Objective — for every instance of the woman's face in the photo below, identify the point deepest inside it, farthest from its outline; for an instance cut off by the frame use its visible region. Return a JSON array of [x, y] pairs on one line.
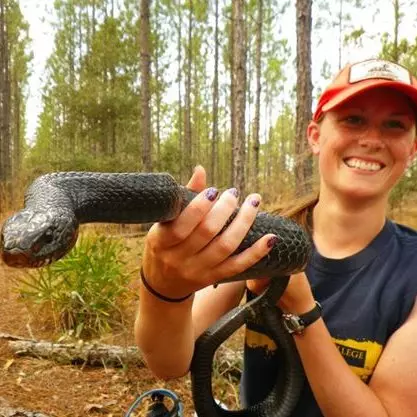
[[365, 144]]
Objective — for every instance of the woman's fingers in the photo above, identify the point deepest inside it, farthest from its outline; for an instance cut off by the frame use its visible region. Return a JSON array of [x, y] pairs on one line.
[[166, 235], [211, 224], [239, 263], [191, 249], [225, 244], [170, 233]]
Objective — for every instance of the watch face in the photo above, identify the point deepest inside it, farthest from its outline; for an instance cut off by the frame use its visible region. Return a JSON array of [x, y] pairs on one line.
[[296, 324], [293, 323]]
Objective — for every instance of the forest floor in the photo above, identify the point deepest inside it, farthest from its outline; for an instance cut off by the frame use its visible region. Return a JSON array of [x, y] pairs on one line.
[[41, 385], [47, 387]]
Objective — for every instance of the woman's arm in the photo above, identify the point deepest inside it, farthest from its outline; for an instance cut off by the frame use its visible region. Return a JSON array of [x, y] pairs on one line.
[[395, 377], [166, 332], [338, 391], [184, 256]]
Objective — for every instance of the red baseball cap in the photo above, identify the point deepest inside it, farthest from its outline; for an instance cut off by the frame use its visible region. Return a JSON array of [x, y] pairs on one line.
[[361, 76]]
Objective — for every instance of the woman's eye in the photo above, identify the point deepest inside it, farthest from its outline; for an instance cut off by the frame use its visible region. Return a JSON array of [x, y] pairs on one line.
[[395, 124], [354, 120]]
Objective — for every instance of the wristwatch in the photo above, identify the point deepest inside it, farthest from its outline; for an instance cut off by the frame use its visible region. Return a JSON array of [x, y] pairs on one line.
[[296, 324]]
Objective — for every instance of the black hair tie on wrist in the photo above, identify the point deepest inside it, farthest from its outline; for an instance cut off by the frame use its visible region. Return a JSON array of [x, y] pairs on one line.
[[160, 296]]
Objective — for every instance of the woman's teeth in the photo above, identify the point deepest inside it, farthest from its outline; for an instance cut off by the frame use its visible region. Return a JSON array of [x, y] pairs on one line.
[[359, 164]]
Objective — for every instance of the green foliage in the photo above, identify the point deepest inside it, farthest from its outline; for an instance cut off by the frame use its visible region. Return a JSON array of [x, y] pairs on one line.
[[404, 188], [90, 117], [83, 291], [404, 52], [15, 58]]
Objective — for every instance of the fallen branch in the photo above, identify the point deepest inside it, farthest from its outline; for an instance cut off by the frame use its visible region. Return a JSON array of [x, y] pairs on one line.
[[227, 361], [6, 411], [8, 336], [78, 353]]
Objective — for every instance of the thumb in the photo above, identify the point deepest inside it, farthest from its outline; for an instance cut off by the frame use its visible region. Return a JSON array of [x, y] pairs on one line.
[[198, 180]]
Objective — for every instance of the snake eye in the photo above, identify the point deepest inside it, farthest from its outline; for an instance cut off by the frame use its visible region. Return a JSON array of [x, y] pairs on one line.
[[48, 236]]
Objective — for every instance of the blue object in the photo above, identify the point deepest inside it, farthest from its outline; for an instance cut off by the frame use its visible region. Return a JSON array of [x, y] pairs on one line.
[[157, 408]]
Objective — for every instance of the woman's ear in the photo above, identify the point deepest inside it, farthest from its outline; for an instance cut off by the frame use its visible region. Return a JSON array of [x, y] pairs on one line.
[[313, 137]]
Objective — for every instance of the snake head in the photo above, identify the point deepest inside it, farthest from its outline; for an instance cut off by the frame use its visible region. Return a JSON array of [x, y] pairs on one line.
[[31, 239]]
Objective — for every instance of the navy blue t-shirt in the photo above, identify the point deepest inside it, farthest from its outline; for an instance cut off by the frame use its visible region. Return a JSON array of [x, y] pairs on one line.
[[365, 298]]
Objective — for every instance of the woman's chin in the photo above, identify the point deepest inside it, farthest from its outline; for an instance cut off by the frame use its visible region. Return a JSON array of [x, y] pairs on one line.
[[362, 192]]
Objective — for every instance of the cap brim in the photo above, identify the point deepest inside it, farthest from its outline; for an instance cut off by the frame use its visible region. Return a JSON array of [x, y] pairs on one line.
[[354, 90]]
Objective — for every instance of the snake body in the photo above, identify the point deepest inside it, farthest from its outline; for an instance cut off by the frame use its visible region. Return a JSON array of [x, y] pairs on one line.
[[57, 203]]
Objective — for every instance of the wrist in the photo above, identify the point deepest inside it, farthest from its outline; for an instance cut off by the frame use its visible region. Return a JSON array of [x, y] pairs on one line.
[[300, 306], [297, 323], [156, 293]]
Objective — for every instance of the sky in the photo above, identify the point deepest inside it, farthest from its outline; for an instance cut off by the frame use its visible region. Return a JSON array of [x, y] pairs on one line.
[[38, 17]]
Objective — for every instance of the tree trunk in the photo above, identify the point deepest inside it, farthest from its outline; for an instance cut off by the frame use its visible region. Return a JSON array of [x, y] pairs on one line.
[[340, 32], [397, 20], [238, 95], [5, 103], [303, 160], [17, 134], [145, 62], [256, 125], [180, 121], [213, 178], [158, 104], [187, 101]]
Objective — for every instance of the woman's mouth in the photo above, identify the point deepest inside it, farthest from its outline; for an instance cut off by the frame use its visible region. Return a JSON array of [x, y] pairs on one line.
[[360, 164]]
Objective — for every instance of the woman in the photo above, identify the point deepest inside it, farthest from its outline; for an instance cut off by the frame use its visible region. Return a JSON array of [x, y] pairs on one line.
[[360, 356]]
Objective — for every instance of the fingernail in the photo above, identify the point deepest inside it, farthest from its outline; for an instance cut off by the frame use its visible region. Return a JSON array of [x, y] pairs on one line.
[[211, 193], [271, 241], [254, 201], [234, 192]]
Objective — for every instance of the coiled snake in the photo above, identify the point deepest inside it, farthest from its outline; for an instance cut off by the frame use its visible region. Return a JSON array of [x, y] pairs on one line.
[[47, 228]]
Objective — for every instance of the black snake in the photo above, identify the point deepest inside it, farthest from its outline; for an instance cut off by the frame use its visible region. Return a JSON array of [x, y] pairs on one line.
[[47, 228]]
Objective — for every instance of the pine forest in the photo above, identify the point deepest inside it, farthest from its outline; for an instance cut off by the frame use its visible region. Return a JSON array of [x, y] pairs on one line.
[[165, 85]]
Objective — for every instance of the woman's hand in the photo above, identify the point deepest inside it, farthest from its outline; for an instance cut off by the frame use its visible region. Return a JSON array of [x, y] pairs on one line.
[[187, 254], [297, 297]]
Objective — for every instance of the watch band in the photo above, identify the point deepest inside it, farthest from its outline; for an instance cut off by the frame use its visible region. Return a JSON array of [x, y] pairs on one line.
[[297, 323]]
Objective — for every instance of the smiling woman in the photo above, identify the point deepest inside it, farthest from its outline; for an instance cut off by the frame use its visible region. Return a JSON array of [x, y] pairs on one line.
[[352, 311], [374, 145]]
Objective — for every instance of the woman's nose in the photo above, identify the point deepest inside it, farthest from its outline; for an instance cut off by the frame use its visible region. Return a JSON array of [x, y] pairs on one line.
[[372, 140]]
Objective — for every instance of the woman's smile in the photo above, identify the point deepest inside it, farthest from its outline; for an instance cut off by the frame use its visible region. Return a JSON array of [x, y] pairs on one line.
[[360, 164]]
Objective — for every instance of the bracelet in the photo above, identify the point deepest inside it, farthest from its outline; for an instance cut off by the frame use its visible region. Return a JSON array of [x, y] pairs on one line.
[[159, 295]]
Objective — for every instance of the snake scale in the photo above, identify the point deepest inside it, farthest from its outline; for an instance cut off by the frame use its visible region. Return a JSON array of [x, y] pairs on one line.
[[47, 228]]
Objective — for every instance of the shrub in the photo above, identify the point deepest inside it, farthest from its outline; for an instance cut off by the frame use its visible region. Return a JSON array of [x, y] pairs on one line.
[[83, 290]]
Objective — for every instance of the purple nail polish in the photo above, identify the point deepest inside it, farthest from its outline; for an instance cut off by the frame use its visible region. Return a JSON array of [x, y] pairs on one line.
[[271, 241], [211, 193], [254, 202], [234, 192]]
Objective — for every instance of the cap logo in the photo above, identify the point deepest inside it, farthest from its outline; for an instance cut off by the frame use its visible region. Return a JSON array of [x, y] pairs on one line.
[[378, 68]]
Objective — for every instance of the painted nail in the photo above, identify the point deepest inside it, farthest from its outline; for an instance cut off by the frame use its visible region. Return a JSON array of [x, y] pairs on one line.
[[254, 202], [271, 241], [211, 193], [234, 192]]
